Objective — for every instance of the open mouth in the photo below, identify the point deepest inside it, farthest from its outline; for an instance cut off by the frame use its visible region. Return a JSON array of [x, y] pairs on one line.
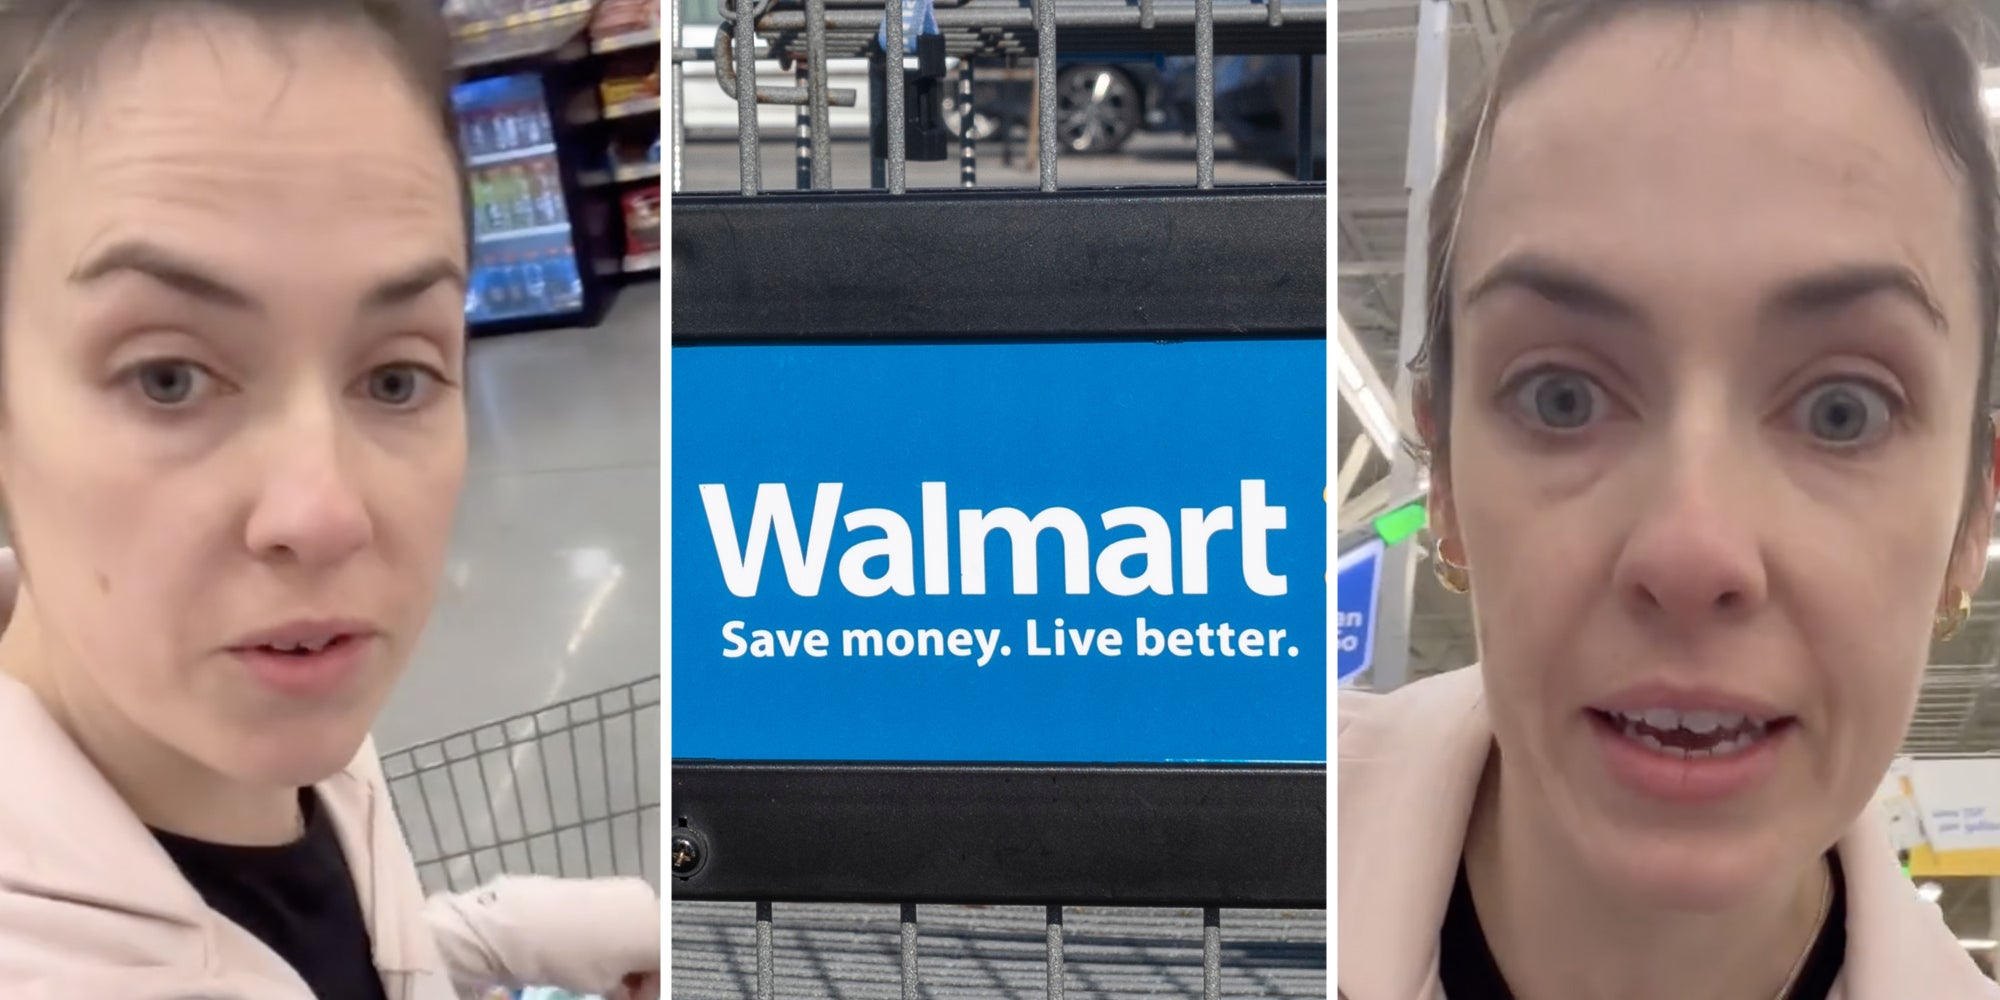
[[1691, 735], [307, 648]]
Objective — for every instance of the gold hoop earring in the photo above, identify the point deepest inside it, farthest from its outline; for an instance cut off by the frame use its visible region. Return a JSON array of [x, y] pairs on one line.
[[1450, 576], [1949, 622]]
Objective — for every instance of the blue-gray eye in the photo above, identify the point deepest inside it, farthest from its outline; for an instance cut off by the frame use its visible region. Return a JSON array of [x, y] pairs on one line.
[[396, 385], [1843, 411], [168, 382], [1558, 400]]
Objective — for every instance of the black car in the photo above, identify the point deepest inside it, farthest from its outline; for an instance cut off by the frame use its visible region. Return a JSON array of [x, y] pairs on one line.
[[1101, 100]]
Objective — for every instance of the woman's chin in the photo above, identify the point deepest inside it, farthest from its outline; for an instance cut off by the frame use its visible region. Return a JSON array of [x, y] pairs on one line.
[[1705, 872]]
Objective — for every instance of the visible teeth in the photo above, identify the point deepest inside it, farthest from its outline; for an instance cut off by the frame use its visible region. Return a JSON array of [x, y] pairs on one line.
[[1650, 741], [1661, 718]]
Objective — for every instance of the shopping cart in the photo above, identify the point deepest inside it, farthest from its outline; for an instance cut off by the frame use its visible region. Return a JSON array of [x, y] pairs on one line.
[[572, 789]]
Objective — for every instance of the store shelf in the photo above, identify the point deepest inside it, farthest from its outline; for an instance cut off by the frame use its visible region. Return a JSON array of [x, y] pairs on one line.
[[628, 109], [637, 262], [622, 175], [510, 155], [628, 40], [559, 229]]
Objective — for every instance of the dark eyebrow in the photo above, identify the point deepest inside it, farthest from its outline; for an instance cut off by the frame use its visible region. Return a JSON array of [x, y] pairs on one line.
[[1842, 287], [167, 268], [191, 279], [1557, 283], [413, 283]]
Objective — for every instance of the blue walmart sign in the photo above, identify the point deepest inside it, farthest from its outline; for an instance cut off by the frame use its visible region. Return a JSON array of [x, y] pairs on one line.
[[1000, 552]]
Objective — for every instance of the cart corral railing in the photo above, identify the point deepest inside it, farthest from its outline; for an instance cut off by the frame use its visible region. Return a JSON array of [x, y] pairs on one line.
[[806, 33]]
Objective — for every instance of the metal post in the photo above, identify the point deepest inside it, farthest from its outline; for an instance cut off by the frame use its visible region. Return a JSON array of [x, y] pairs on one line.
[[968, 154], [909, 951], [679, 145], [765, 972], [893, 81], [1204, 94], [1305, 117], [822, 128], [1391, 668], [1055, 952], [1211, 953], [805, 139], [749, 167], [1045, 89]]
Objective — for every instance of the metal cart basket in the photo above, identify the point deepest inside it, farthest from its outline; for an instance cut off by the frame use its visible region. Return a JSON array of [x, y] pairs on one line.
[[571, 789]]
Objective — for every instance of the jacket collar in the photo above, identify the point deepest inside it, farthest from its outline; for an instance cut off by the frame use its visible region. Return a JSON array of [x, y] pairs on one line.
[[1409, 767], [58, 846], [77, 821]]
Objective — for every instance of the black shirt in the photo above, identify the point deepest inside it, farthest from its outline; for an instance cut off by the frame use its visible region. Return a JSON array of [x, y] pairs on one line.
[[299, 899], [1468, 971]]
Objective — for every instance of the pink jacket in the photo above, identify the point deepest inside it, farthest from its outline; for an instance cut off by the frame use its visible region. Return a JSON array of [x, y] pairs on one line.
[[91, 906], [1409, 764]]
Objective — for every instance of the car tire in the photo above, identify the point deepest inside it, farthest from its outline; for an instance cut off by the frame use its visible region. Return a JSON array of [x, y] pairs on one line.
[[1097, 109]]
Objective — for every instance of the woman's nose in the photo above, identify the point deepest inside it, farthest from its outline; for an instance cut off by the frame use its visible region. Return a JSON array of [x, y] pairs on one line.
[[310, 509], [1692, 556]]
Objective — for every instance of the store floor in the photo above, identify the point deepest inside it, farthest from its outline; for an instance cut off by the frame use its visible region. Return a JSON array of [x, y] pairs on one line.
[[552, 586]]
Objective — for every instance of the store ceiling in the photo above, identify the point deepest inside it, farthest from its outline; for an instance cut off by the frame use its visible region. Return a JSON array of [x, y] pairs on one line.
[[1959, 712]]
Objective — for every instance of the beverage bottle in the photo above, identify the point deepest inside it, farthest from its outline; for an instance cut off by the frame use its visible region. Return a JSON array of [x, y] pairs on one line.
[[499, 218], [496, 289], [474, 127], [562, 272], [535, 284], [524, 198], [517, 286], [549, 195], [503, 130]]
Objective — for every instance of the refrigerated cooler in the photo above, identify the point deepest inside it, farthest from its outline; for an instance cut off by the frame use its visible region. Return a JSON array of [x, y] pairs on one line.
[[528, 266], [538, 124]]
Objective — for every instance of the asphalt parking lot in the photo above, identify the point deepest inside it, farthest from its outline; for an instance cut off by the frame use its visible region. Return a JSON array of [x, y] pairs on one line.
[[1149, 159]]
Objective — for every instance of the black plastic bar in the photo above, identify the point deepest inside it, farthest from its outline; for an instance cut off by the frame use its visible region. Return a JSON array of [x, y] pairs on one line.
[[1129, 835], [1144, 263], [804, 124]]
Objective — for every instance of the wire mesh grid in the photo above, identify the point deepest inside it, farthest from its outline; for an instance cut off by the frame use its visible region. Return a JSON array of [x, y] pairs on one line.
[[873, 951], [570, 789]]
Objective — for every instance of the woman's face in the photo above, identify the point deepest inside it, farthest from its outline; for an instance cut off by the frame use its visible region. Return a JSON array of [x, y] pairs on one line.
[[229, 353], [1710, 418]]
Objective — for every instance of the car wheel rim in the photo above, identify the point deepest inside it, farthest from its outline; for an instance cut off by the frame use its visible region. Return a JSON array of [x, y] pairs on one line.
[[1095, 109]]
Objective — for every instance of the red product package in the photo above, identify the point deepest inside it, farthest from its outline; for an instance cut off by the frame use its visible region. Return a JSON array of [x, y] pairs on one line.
[[642, 220]]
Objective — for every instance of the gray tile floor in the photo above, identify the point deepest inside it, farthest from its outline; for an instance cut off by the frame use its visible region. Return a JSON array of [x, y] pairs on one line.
[[552, 586]]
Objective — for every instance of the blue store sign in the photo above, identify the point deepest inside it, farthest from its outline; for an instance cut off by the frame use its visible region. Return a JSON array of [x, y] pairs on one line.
[[1358, 591], [1019, 552]]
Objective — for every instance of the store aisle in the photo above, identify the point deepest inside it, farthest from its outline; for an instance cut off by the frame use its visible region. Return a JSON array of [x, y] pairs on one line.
[[552, 587]]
